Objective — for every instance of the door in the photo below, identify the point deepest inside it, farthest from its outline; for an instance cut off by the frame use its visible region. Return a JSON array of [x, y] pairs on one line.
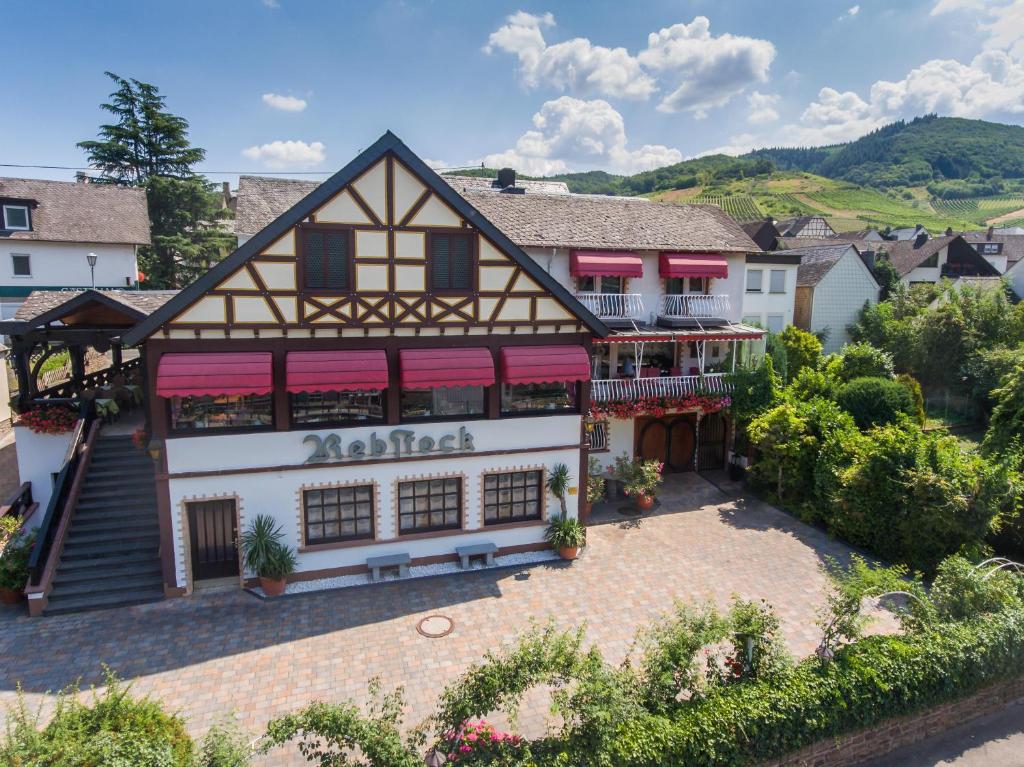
[[712, 442], [213, 529], [669, 440]]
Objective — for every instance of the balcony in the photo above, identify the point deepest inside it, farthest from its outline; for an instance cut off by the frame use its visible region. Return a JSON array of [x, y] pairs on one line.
[[614, 389], [689, 310], [613, 308]]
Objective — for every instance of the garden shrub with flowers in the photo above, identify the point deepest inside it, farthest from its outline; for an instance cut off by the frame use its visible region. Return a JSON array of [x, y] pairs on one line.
[[49, 419], [480, 741], [638, 477], [659, 406]]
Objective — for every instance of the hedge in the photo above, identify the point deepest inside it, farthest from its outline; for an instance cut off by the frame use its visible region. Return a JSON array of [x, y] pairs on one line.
[[877, 678]]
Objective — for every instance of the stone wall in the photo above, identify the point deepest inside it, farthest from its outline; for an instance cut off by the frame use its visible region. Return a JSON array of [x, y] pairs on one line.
[[877, 741]]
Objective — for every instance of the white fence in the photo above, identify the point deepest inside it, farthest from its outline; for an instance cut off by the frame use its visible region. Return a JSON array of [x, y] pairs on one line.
[[611, 389]]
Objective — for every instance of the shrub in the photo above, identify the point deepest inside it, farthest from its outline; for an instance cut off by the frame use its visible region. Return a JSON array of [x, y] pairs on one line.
[[861, 360], [910, 383], [803, 349], [875, 401], [14, 559], [782, 439], [1007, 424], [225, 745]]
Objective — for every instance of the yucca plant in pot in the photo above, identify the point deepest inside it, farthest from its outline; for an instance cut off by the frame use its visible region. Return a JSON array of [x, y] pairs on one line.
[[263, 553], [566, 536]]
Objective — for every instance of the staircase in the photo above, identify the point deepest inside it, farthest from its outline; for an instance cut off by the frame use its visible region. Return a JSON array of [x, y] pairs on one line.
[[111, 553]]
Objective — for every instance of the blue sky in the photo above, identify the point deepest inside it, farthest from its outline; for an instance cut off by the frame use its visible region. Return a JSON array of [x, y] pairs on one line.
[[302, 85]]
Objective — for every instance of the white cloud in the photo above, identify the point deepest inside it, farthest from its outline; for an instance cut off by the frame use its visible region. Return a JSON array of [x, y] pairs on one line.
[[570, 133], [287, 155], [948, 6], [284, 103], [576, 65], [710, 70], [271, 3], [1001, 21], [853, 10], [762, 107]]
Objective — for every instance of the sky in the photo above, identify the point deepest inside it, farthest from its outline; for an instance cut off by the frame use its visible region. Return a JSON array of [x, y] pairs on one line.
[[299, 87]]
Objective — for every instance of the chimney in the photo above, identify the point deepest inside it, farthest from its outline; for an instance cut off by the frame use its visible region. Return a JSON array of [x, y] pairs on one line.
[[506, 178], [949, 231], [988, 234], [921, 239], [81, 177]]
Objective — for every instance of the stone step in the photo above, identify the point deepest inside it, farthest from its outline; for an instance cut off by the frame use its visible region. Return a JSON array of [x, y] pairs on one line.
[[111, 585], [74, 604], [105, 572], [108, 548], [126, 536], [135, 557]]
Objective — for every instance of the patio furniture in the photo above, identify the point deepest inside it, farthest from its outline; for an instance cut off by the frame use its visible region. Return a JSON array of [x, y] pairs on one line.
[[376, 564], [485, 550]]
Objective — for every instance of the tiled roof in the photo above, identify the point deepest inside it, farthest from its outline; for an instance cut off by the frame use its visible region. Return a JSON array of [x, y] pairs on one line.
[[66, 211], [466, 183], [816, 261], [906, 255], [1013, 244], [610, 223], [786, 243], [41, 301], [260, 200]]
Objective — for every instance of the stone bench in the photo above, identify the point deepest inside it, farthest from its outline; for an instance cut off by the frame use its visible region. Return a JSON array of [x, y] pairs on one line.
[[485, 550], [401, 561]]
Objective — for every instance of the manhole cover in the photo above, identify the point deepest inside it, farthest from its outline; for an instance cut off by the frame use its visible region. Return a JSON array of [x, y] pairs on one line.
[[435, 626]]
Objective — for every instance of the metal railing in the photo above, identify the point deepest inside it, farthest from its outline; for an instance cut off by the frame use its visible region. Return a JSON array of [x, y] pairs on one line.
[[613, 306], [18, 503], [597, 435], [694, 306], [612, 389]]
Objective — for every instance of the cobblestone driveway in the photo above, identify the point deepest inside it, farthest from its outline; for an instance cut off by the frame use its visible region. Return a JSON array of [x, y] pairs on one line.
[[213, 654]]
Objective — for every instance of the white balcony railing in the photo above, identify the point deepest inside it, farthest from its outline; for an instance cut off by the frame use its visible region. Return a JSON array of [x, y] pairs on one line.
[[613, 306], [696, 307], [611, 389]]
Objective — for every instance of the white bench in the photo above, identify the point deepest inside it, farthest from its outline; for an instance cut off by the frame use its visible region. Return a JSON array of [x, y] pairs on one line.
[[485, 550], [401, 561]]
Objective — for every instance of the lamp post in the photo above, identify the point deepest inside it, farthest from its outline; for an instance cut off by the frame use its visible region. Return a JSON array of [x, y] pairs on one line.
[[92, 258]]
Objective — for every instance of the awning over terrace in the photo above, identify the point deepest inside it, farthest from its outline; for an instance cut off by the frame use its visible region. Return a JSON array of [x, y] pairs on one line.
[[543, 364], [674, 265], [197, 375], [605, 263], [336, 370], [438, 368]]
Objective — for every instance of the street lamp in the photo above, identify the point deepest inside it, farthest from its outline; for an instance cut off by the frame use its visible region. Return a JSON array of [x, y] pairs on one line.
[[92, 258]]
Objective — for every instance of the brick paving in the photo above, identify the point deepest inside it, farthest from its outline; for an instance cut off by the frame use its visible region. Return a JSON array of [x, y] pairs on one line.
[[217, 654]]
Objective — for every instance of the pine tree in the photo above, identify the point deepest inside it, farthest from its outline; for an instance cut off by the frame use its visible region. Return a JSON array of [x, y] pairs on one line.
[[148, 146]]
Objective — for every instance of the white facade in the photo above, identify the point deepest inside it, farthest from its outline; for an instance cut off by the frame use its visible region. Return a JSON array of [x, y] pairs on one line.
[[56, 265], [1015, 276], [40, 457], [534, 442], [838, 299], [927, 273], [769, 307]]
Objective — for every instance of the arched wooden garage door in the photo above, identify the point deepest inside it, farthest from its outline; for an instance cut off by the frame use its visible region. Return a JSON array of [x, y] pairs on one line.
[[670, 440]]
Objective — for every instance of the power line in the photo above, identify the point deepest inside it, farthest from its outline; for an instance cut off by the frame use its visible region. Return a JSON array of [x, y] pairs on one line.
[[217, 172]]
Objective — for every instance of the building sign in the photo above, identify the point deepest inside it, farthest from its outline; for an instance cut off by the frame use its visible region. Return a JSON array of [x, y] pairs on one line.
[[398, 443]]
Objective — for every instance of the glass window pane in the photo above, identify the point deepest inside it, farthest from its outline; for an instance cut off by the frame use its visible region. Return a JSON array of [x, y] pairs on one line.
[[539, 398], [517, 498], [15, 217], [329, 517], [221, 412]]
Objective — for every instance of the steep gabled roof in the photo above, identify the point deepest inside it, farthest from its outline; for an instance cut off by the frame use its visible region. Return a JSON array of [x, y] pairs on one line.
[[260, 200], [66, 211], [466, 183], [320, 195], [46, 306], [817, 261], [1013, 244]]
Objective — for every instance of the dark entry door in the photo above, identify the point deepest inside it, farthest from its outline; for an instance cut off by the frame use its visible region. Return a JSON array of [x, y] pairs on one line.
[[669, 440], [213, 528], [712, 442]]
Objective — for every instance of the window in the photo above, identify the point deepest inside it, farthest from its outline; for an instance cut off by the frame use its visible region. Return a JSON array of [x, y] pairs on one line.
[[16, 218], [221, 412], [325, 259], [752, 319], [754, 277], [775, 323], [451, 262], [337, 407], [338, 514], [538, 397], [777, 281], [429, 504], [597, 436], [443, 402], [21, 265], [932, 260], [600, 285], [991, 248], [512, 497], [696, 284]]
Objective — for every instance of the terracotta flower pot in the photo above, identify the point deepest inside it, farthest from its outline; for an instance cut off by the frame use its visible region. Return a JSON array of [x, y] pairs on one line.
[[11, 596], [568, 552], [644, 502], [273, 587]]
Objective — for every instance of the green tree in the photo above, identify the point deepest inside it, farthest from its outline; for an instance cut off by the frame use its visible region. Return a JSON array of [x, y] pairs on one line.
[[885, 274], [147, 146], [781, 437], [1007, 424], [876, 401], [803, 349], [860, 360]]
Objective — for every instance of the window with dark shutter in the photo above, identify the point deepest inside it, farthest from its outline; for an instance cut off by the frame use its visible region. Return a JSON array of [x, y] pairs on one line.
[[325, 259], [451, 262]]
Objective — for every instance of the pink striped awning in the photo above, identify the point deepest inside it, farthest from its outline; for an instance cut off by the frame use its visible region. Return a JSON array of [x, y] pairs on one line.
[[438, 368], [692, 265], [197, 375], [542, 364], [337, 370], [605, 263]]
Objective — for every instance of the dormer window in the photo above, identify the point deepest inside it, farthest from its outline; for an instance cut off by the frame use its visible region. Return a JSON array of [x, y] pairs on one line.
[[16, 218]]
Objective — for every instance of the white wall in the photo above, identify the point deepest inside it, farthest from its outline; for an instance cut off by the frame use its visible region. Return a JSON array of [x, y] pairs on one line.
[[279, 493], [40, 456], [926, 273], [1015, 276], [620, 440], [762, 304], [839, 297]]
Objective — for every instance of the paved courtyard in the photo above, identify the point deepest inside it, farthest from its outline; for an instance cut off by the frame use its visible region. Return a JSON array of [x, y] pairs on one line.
[[221, 653]]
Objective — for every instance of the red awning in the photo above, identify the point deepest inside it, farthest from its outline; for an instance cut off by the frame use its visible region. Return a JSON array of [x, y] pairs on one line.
[[348, 370], [541, 364], [196, 375], [605, 263], [692, 265], [438, 368]]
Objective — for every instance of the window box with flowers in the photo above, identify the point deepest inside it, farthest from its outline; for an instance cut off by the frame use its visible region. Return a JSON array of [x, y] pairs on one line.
[[658, 406], [49, 419]]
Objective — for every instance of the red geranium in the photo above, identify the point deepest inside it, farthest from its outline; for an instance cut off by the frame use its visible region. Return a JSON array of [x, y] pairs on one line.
[[659, 406], [49, 419]]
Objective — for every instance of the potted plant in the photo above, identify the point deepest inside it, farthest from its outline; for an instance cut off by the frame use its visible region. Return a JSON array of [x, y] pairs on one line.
[[558, 484], [263, 553], [14, 566], [567, 536], [640, 479]]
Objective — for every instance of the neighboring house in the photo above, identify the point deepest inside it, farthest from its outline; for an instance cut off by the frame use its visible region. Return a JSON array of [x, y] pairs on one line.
[[505, 182], [833, 284], [865, 235], [929, 260], [985, 284], [48, 229], [788, 243], [907, 233], [764, 233], [770, 290], [1000, 250], [805, 226], [1014, 276]]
